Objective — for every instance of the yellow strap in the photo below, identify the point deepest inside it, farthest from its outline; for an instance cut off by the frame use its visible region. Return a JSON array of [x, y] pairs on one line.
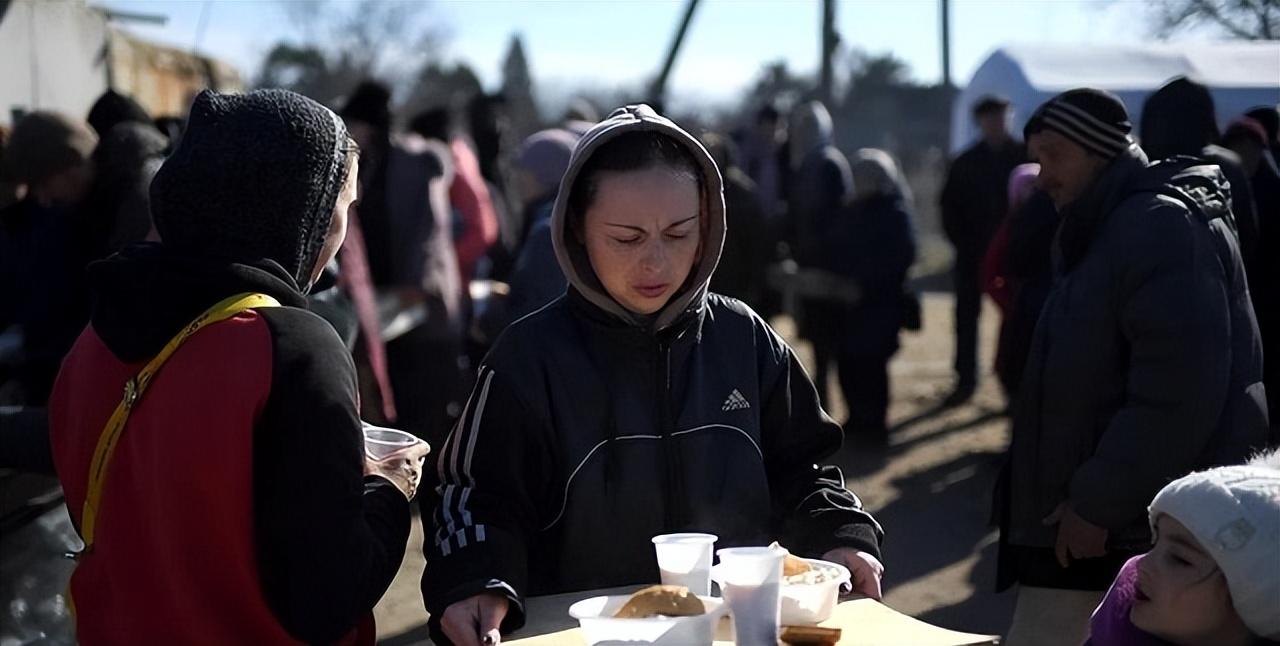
[[133, 391]]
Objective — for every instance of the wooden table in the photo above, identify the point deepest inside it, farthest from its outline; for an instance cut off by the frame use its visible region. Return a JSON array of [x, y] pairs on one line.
[[865, 622]]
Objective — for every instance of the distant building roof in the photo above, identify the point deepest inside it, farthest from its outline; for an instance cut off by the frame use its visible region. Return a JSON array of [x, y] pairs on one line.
[[164, 79], [1239, 74], [1060, 67]]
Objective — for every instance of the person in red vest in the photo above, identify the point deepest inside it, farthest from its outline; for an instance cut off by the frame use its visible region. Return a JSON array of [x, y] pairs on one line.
[[205, 425]]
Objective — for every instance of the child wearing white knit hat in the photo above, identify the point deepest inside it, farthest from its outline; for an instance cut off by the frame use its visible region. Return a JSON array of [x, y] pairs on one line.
[[1213, 576]]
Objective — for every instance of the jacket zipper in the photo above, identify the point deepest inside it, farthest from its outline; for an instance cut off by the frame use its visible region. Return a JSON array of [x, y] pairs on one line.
[[672, 490]]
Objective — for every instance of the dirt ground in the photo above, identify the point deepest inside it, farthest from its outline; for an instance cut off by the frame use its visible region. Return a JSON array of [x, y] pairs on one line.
[[930, 489]]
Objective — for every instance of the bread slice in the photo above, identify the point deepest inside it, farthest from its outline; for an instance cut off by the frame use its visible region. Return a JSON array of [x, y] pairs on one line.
[[662, 601], [810, 636]]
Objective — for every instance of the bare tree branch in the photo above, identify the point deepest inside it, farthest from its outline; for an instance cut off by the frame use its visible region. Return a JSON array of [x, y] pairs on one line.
[[389, 39], [1244, 19]]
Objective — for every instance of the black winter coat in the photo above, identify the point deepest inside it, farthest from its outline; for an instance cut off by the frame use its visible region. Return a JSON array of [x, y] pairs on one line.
[[592, 429], [1146, 363], [872, 244]]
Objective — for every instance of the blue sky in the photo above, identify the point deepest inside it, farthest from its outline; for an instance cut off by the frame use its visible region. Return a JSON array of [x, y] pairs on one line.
[[571, 43]]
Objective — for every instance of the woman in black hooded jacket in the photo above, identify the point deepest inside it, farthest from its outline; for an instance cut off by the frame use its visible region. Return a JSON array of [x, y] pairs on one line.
[[636, 404]]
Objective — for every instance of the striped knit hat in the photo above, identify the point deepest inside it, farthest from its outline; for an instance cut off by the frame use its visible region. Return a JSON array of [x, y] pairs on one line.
[[1095, 119]]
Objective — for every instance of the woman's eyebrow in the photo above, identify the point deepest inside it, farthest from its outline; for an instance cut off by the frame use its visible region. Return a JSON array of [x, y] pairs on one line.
[[684, 221], [625, 226]]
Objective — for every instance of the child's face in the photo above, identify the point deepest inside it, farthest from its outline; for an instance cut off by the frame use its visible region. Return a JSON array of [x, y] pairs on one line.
[[1181, 594]]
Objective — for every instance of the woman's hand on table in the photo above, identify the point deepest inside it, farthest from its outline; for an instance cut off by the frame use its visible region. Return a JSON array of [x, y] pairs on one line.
[[475, 621], [865, 568]]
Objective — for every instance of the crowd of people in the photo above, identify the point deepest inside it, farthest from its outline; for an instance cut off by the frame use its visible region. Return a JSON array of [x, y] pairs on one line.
[[196, 325]]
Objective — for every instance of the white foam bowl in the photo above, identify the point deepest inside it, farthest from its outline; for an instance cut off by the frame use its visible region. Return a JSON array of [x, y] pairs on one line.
[[601, 628], [813, 603]]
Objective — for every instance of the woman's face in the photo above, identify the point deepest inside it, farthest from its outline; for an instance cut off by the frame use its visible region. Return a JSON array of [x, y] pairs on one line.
[[643, 235], [338, 223], [1181, 594]]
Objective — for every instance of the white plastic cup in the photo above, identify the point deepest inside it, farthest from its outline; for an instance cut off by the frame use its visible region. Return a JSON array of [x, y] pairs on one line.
[[685, 559], [381, 443], [751, 579]]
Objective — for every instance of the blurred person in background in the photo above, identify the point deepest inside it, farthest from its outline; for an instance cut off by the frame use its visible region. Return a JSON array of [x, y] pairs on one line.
[[112, 109], [491, 133], [870, 243], [580, 116], [10, 191], [1247, 137], [765, 159], [1180, 119], [749, 241], [127, 158], [129, 152], [540, 164], [476, 229], [45, 243], [367, 113], [820, 186], [1269, 117], [974, 202], [370, 354], [171, 127], [408, 226], [1016, 272]]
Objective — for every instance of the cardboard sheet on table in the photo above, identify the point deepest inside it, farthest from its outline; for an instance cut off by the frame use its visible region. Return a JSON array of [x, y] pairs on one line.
[[865, 622]]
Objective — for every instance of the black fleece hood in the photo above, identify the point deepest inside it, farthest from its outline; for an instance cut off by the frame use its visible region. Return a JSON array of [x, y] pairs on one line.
[[255, 177]]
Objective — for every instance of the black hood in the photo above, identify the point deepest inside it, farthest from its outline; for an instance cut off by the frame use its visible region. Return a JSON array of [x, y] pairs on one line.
[[143, 295], [1178, 119], [1193, 180], [112, 109], [255, 177]]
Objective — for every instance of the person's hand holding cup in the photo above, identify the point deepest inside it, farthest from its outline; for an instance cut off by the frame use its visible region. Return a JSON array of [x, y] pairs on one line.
[[396, 456]]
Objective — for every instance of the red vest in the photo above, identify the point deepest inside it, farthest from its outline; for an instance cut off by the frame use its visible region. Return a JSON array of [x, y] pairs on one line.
[[175, 559]]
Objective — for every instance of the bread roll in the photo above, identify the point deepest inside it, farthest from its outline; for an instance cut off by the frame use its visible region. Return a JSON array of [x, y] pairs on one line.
[[792, 566], [662, 601]]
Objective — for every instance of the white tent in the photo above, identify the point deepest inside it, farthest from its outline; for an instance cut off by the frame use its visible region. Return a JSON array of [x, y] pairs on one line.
[[1241, 75], [51, 57]]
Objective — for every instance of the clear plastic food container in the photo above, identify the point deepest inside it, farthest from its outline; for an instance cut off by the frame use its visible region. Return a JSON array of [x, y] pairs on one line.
[[808, 603]]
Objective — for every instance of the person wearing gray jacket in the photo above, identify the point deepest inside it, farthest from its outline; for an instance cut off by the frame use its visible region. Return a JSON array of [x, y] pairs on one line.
[[1146, 362], [636, 404]]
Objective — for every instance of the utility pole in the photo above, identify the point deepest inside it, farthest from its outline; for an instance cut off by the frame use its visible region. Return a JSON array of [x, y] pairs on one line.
[[829, 41], [657, 92], [946, 42]]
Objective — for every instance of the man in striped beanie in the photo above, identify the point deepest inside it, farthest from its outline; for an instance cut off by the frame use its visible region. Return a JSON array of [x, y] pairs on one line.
[[1084, 129], [1145, 364]]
